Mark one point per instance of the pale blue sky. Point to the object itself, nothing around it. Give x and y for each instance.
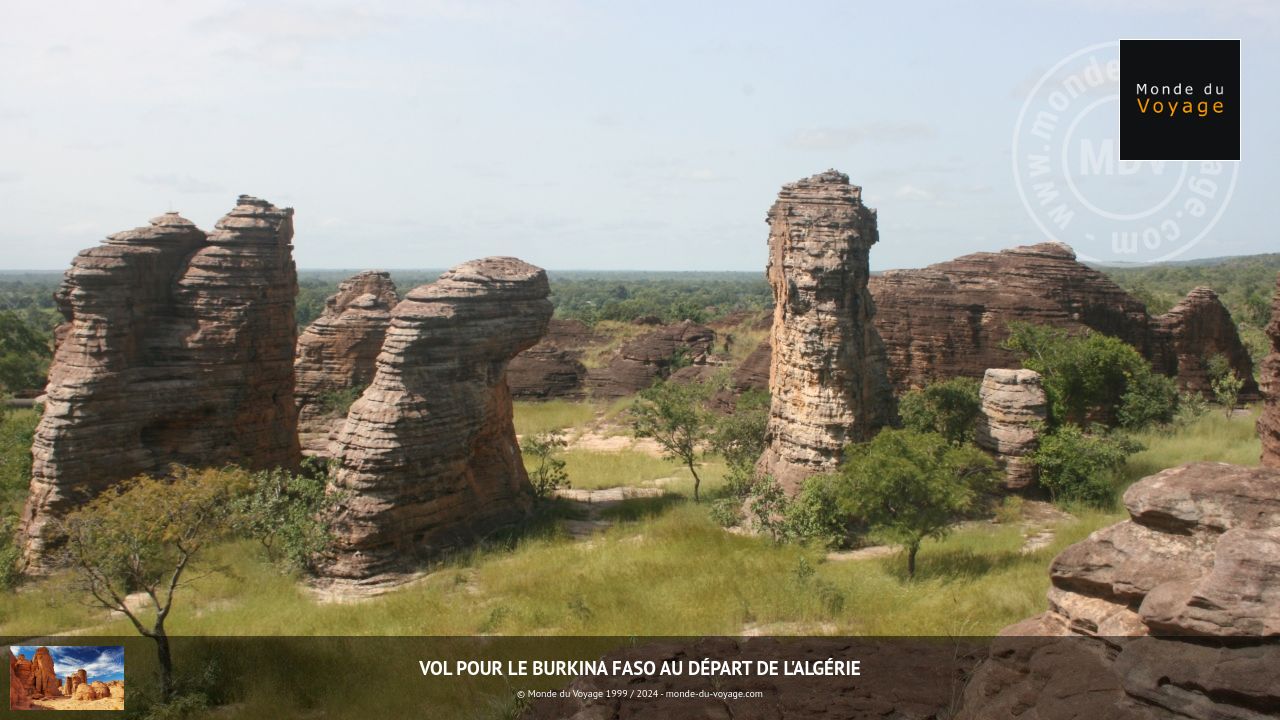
(601, 135)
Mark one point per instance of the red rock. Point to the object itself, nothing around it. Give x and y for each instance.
(650, 357)
(177, 348)
(1190, 334)
(428, 455)
(19, 697)
(1269, 422)
(827, 380)
(44, 680)
(337, 352)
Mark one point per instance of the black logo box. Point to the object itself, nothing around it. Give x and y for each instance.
(1187, 68)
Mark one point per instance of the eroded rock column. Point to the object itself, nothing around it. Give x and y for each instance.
(1013, 411)
(827, 377)
(1269, 422)
(427, 456)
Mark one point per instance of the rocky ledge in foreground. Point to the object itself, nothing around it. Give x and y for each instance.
(1174, 613)
(427, 458)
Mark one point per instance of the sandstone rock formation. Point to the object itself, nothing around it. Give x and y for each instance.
(650, 357)
(1190, 334)
(19, 698)
(1174, 613)
(74, 680)
(950, 319)
(85, 692)
(1013, 410)
(1269, 422)
(553, 368)
(44, 680)
(428, 455)
(177, 348)
(827, 380)
(337, 352)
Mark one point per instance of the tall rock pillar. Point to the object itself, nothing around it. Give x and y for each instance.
(827, 378)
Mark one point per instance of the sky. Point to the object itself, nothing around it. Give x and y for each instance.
(575, 135)
(100, 662)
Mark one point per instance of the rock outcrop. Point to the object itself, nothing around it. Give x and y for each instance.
(1174, 613)
(1013, 412)
(553, 368)
(19, 698)
(650, 357)
(1269, 422)
(427, 457)
(177, 348)
(827, 379)
(44, 679)
(336, 354)
(1193, 332)
(951, 319)
(74, 680)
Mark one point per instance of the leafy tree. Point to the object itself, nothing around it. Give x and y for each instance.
(1093, 377)
(24, 353)
(676, 417)
(908, 485)
(739, 438)
(549, 473)
(947, 407)
(1079, 466)
(1224, 382)
(143, 536)
(287, 513)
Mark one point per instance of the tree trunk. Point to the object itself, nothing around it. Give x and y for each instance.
(697, 481)
(911, 560)
(165, 660)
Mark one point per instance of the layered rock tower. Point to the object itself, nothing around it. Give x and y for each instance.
(177, 347)
(427, 457)
(827, 376)
(1013, 410)
(1269, 422)
(1190, 334)
(338, 352)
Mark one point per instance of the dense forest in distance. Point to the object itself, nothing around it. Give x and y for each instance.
(1246, 283)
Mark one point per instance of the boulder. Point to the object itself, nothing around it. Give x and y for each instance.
(1193, 332)
(1013, 412)
(827, 379)
(336, 354)
(1174, 613)
(427, 458)
(650, 357)
(85, 693)
(19, 697)
(1269, 422)
(553, 368)
(177, 347)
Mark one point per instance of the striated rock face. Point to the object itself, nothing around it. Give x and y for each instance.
(553, 367)
(1193, 331)
(177, 348)
(949, 319)
(19, 697)
(428, 455)
(644, 360)
(827, 379)
(336, 354)
(1197, 564)
(75, 680)
(44, 680)
(1269, 422)
(1013, 409)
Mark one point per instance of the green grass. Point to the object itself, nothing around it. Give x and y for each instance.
(1210, 437)
(536, 417)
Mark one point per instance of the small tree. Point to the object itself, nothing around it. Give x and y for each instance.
(1079, 466)
(909, 485)
(142, 536)
(287, 513)
(739, 438)
(548, 472)
(947, 407)
(676, 417)
(1224, 382)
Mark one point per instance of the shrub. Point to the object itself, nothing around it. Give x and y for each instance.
(814, 514)
(1093, 377)
(726, 512)
(1224, 382)
(10, 553)
(947, 407)
(548, 472)
(286, 512)
(908, 486)
(337, 403)
(739, 438)
(1076, 466)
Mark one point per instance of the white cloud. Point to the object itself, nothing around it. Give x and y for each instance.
(835, 138)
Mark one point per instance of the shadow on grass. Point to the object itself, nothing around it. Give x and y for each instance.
(635, 509)
(953, 565)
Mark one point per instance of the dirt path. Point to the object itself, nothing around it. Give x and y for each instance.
(594, 502)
